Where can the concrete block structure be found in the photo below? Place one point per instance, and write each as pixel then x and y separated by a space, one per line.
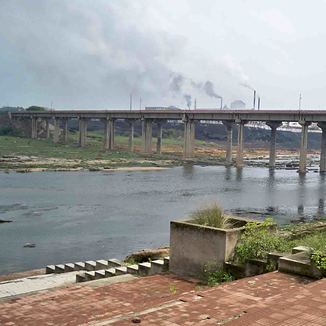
pixel 193 246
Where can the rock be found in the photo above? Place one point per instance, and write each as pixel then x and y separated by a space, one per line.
pixel 5 221
pixel 136 320
pixel 147 255
pixel 29 245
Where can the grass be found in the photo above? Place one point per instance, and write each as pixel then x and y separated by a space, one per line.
pixel 317 241
pixel 211 215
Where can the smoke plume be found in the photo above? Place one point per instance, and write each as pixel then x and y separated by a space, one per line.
pixel 188 99
pixel 209 89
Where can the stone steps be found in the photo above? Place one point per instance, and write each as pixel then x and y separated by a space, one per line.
pixel 300 264
pixel 90 265
pixel 142 269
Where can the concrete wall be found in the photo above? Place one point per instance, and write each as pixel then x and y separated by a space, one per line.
pixel 193 246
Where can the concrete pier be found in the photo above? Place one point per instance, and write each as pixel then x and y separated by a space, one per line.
pixel 228 155
pixel 322 162
pixel 239 160
pixel 47 129
pixel 303 146
pixel 131 136
pixel 147 130
pixel 109 134
pixel 56 131
pixel 159 138
pixel 33 127
pixel 82 132
pixel 65 131
pixel 272 150
pixel 189 138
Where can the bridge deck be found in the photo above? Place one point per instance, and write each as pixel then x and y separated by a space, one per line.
pixel 200 114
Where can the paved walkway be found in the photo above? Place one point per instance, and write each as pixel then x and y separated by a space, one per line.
pixel 35 283
pixel 269 299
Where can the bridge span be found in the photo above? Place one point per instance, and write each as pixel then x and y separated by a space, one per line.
pixel 230 118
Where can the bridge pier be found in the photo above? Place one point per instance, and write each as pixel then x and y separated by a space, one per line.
pixel 56 131
pixel 272 150
pixel 303 146
pixel 189 138
pixel 65 131
pixel 147 132
pixel 159 138
pixel 82 132
pixel 109 134
pixel 131 136
pixel 47 129
pixel 228 155
pixel 33 127
pixel 239 160
pixel 322 162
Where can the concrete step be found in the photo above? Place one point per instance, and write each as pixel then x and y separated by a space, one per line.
pixel 59 269
pixel 166 263
pixel 132 269
pixel 70 267
pixel 90 275
pixel 80 278
pixel 157 266
pixel 90 265
pixel 102 264
pixel 79 266
pixel 299 264
pixel 274 257
pixel 298 249
pixel 121 270
pixel 100 274
pixel 110 272
pixel 49 269
pixel 144 269
pixel 114 263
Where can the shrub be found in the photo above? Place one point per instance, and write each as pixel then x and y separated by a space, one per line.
pixel 319 259
pixel 211 215
pixel 258 240
pixel 213 275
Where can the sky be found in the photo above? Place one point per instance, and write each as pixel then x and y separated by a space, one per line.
pixel 92 54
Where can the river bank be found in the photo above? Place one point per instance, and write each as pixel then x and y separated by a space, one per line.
pixel 26 155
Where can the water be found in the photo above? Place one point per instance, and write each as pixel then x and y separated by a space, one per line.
pixel 73 216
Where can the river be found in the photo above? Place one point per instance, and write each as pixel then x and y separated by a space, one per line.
pixel 74 216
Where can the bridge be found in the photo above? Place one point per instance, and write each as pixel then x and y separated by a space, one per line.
pixel 230 118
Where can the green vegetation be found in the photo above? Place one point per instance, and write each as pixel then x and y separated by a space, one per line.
pixel 258 240
pixel 211 215
pixel 213 275
pixel 319 259
pixel 219 277
pixel 317 241
pixel 36 108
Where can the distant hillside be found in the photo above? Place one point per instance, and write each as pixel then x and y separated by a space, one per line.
pixel 11 109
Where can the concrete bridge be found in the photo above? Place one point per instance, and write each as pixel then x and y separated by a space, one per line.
pixel 272 118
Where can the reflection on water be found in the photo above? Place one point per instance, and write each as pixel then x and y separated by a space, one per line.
pixel 89 215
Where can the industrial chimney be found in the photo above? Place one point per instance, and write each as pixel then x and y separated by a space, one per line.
pixel 254 100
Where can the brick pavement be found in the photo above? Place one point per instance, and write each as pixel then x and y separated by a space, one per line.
pixel 269 299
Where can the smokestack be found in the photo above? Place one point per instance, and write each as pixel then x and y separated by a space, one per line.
pixel 254 99
pixel 258 102
pixel 195 104
pixel 221 98
pixel 130 102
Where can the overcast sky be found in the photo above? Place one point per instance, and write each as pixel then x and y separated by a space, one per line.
pixel 93 54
